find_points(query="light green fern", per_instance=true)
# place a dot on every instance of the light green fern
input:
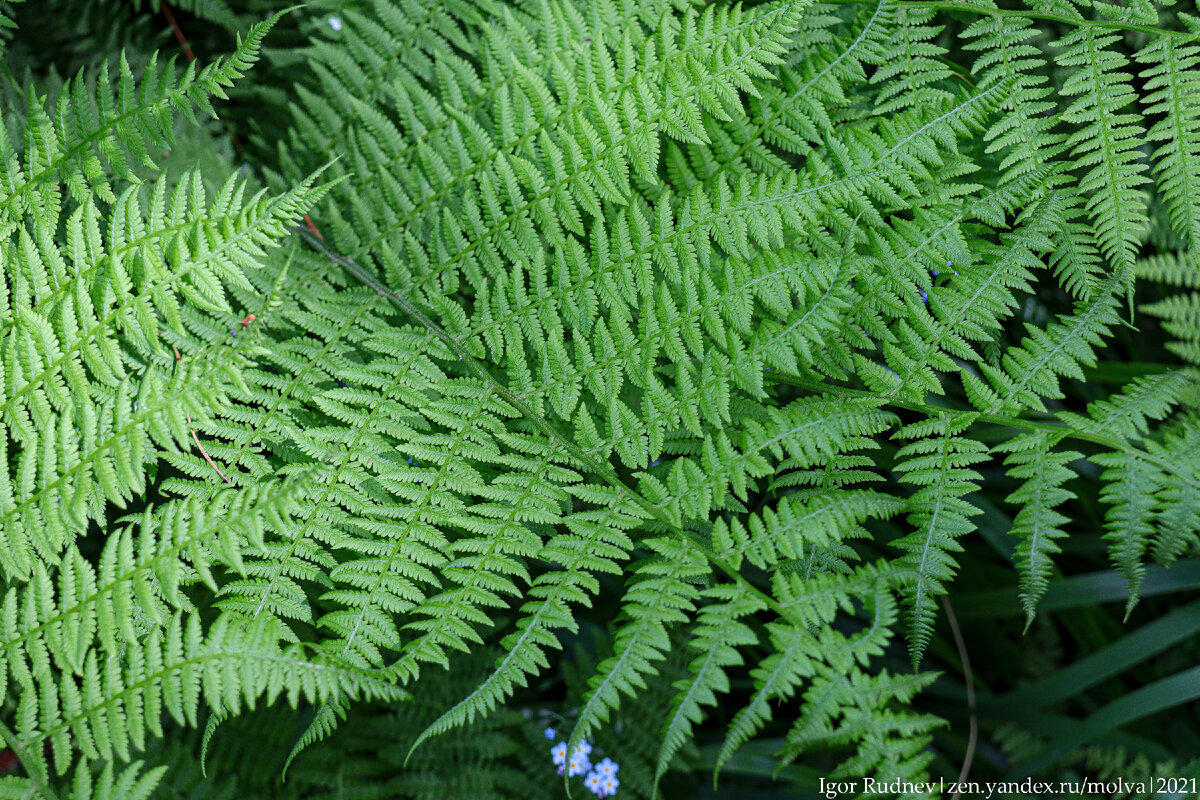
(689, 327)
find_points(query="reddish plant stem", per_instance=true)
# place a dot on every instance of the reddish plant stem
(187, 50)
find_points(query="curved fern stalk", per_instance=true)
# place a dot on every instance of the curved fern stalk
(325, 720)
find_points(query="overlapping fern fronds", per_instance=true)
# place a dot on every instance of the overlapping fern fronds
(696, 313)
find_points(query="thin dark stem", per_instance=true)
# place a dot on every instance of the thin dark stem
(183, 42)
(969, 679)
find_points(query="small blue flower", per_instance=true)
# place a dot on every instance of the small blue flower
(335, 23)
(583, 748)
(579, 765)
(656, 462)
(559, 753)
(550, 734)
(609, 786)
(924, 296)
(592, 782)
(607, 768)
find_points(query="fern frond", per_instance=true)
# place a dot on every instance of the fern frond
(660, 597)
(1029, 374)
(911, 64)
(1172, 78)
(120, 126)
(1128, 414)
(73, 313)
(1178, 499)
(1024, 133)
(1107, 143)
(1033, 459)
(1130, 484)
(938, 460)
(718, 635)
(842, 708)
(134, 782)
(776, 678)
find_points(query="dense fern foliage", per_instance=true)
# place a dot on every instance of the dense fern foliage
(422, 395)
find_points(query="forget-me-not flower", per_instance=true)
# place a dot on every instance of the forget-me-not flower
(607, 768)
(579, 765)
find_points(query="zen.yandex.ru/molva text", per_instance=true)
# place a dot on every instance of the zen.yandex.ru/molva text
(1176, 787)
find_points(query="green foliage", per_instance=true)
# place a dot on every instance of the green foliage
(627, 368)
